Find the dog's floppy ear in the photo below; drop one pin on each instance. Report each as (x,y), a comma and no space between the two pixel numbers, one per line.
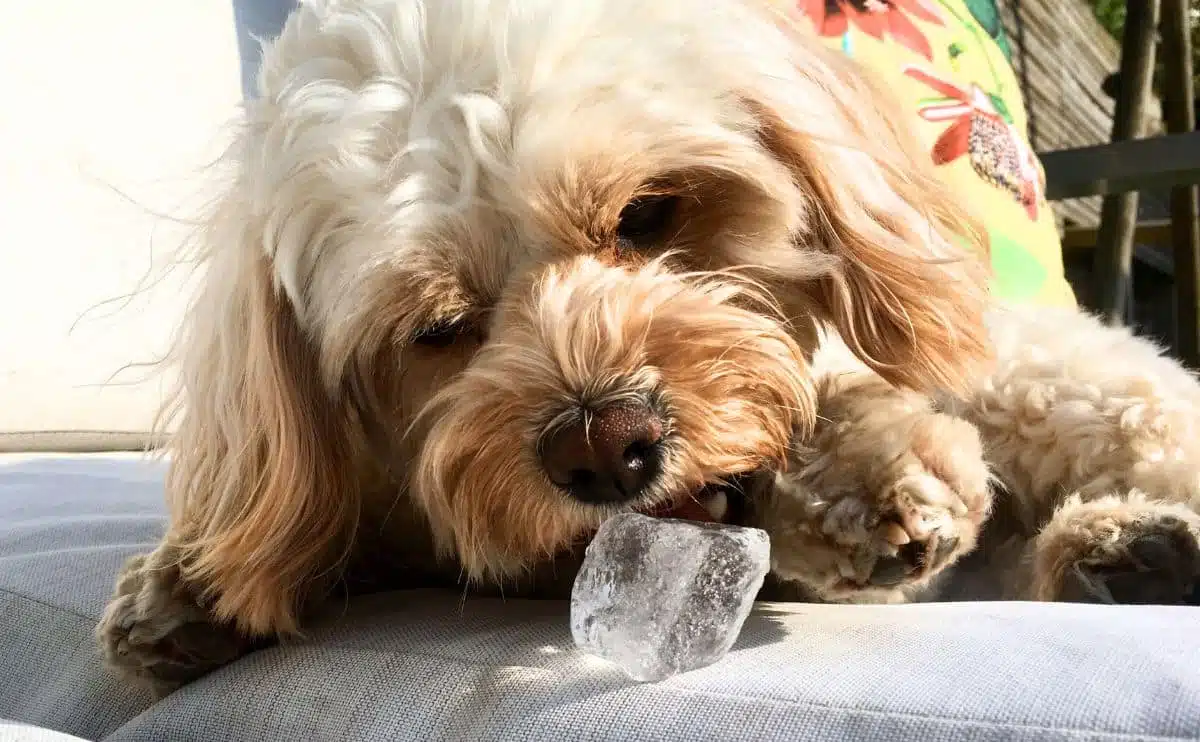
(260,484)
(909,289)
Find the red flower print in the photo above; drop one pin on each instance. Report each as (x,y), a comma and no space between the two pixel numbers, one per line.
(996,150)
(876,18)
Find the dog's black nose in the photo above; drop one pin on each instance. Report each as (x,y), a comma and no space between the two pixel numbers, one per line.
(607,456)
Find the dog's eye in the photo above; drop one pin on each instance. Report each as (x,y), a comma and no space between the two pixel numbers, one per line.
(645,218)
(441,334)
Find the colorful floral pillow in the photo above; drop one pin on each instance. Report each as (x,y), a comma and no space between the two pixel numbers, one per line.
(951,59)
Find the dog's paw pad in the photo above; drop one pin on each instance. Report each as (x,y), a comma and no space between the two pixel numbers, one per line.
(166,660)
(156,633)
(912,542)
(1159,565)
(913,560)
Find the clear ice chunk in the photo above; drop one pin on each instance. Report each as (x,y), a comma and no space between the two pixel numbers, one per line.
(658,596)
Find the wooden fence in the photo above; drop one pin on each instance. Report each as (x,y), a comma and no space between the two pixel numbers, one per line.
(1062,56)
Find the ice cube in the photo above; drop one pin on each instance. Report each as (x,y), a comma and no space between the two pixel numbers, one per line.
(658,596)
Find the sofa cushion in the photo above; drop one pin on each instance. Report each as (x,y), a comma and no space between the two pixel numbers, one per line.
(429,666)
(66,526)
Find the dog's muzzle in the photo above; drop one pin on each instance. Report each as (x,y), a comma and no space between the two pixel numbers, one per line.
(606,388)
(610,455)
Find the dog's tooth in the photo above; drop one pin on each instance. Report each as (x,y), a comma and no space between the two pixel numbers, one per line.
(919,525)
(717,505)
(895,534)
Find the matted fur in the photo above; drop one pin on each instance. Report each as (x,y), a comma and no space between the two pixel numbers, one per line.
(1090,436)
(412,166)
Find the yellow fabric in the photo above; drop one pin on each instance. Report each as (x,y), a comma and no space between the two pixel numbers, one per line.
(949,59)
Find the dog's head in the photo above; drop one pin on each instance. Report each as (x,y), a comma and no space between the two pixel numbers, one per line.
(544,260)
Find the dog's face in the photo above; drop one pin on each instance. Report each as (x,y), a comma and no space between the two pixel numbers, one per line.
(547,260)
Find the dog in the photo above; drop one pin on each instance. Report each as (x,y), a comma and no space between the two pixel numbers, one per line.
(484,272)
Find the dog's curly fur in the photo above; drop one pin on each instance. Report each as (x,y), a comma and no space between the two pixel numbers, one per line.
(1085,434)
(417,268)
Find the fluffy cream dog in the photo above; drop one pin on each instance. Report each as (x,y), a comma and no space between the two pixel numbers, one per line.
(487,271)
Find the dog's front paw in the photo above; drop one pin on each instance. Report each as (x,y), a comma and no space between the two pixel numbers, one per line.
(1119,551)
(911,530)
(154,630)
(878,508)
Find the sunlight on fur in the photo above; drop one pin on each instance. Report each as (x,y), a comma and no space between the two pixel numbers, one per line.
(487,271)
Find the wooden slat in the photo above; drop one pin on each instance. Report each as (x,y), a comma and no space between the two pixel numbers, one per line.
(1067,107)
(1118,213)
(1067,97)
(1185,221)
(1156,233)
(1140,164)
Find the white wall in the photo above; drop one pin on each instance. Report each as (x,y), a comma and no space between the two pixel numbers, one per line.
(100,97)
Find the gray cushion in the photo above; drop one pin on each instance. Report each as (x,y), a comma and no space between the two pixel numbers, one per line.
(66,525)
(425,666)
